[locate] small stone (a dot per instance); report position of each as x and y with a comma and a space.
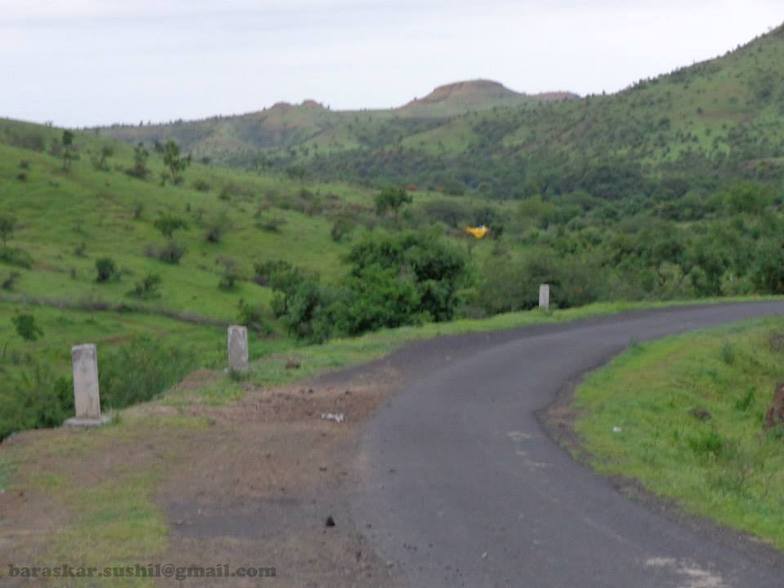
330, 522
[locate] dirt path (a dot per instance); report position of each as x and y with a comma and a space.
259, 489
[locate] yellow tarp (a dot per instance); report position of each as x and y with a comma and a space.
477, 232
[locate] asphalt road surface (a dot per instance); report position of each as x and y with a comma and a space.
465, 488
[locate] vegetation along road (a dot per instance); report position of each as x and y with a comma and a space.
465, 487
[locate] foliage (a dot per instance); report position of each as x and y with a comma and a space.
171, 252
106, 269
141, 370
33, 398
437, 268
175, 163
147, 288
140, 157
26, 327
391, 200
167, 224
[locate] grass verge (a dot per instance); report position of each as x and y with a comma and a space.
684, 416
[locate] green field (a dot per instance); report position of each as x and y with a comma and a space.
684, 416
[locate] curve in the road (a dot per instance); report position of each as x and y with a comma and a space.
464, 487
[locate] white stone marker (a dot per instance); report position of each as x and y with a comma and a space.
238, 348
544, 297
87, 398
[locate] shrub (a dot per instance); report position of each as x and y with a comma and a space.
394, 280
391, 200
10, 281
167, 224
230, 274
275, 273
32, 399
26, 327
16, 257
438, 268
106, 269
147, 288
378, 298
216, 229
140, 157
141, 370
253, 317
172, 252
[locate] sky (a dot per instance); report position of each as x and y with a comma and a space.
97, 62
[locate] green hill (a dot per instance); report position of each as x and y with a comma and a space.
688, 130
311, 129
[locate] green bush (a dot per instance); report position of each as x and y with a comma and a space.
147, 288
16, 257
32, 399
26, 327
395, 280
436, 267
141, 370
106, 269
172, 252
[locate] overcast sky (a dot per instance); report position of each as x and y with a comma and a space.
88, 62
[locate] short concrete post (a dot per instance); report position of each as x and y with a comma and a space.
544, 297
238, 348
87, 398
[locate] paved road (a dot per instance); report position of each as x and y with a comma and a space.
465, 488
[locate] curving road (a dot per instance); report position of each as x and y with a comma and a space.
465, 488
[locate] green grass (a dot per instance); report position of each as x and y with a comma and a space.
684, 416
110, 515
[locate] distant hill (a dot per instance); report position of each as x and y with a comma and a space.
474, 96
689, 130
239, 139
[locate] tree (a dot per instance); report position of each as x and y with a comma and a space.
102, 163
69, 152
174, 161
140, 156
392, 199
7, 227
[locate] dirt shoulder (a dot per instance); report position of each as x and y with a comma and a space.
262, 482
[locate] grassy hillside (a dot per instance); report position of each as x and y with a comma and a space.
693, 430
66, 221
690, 130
